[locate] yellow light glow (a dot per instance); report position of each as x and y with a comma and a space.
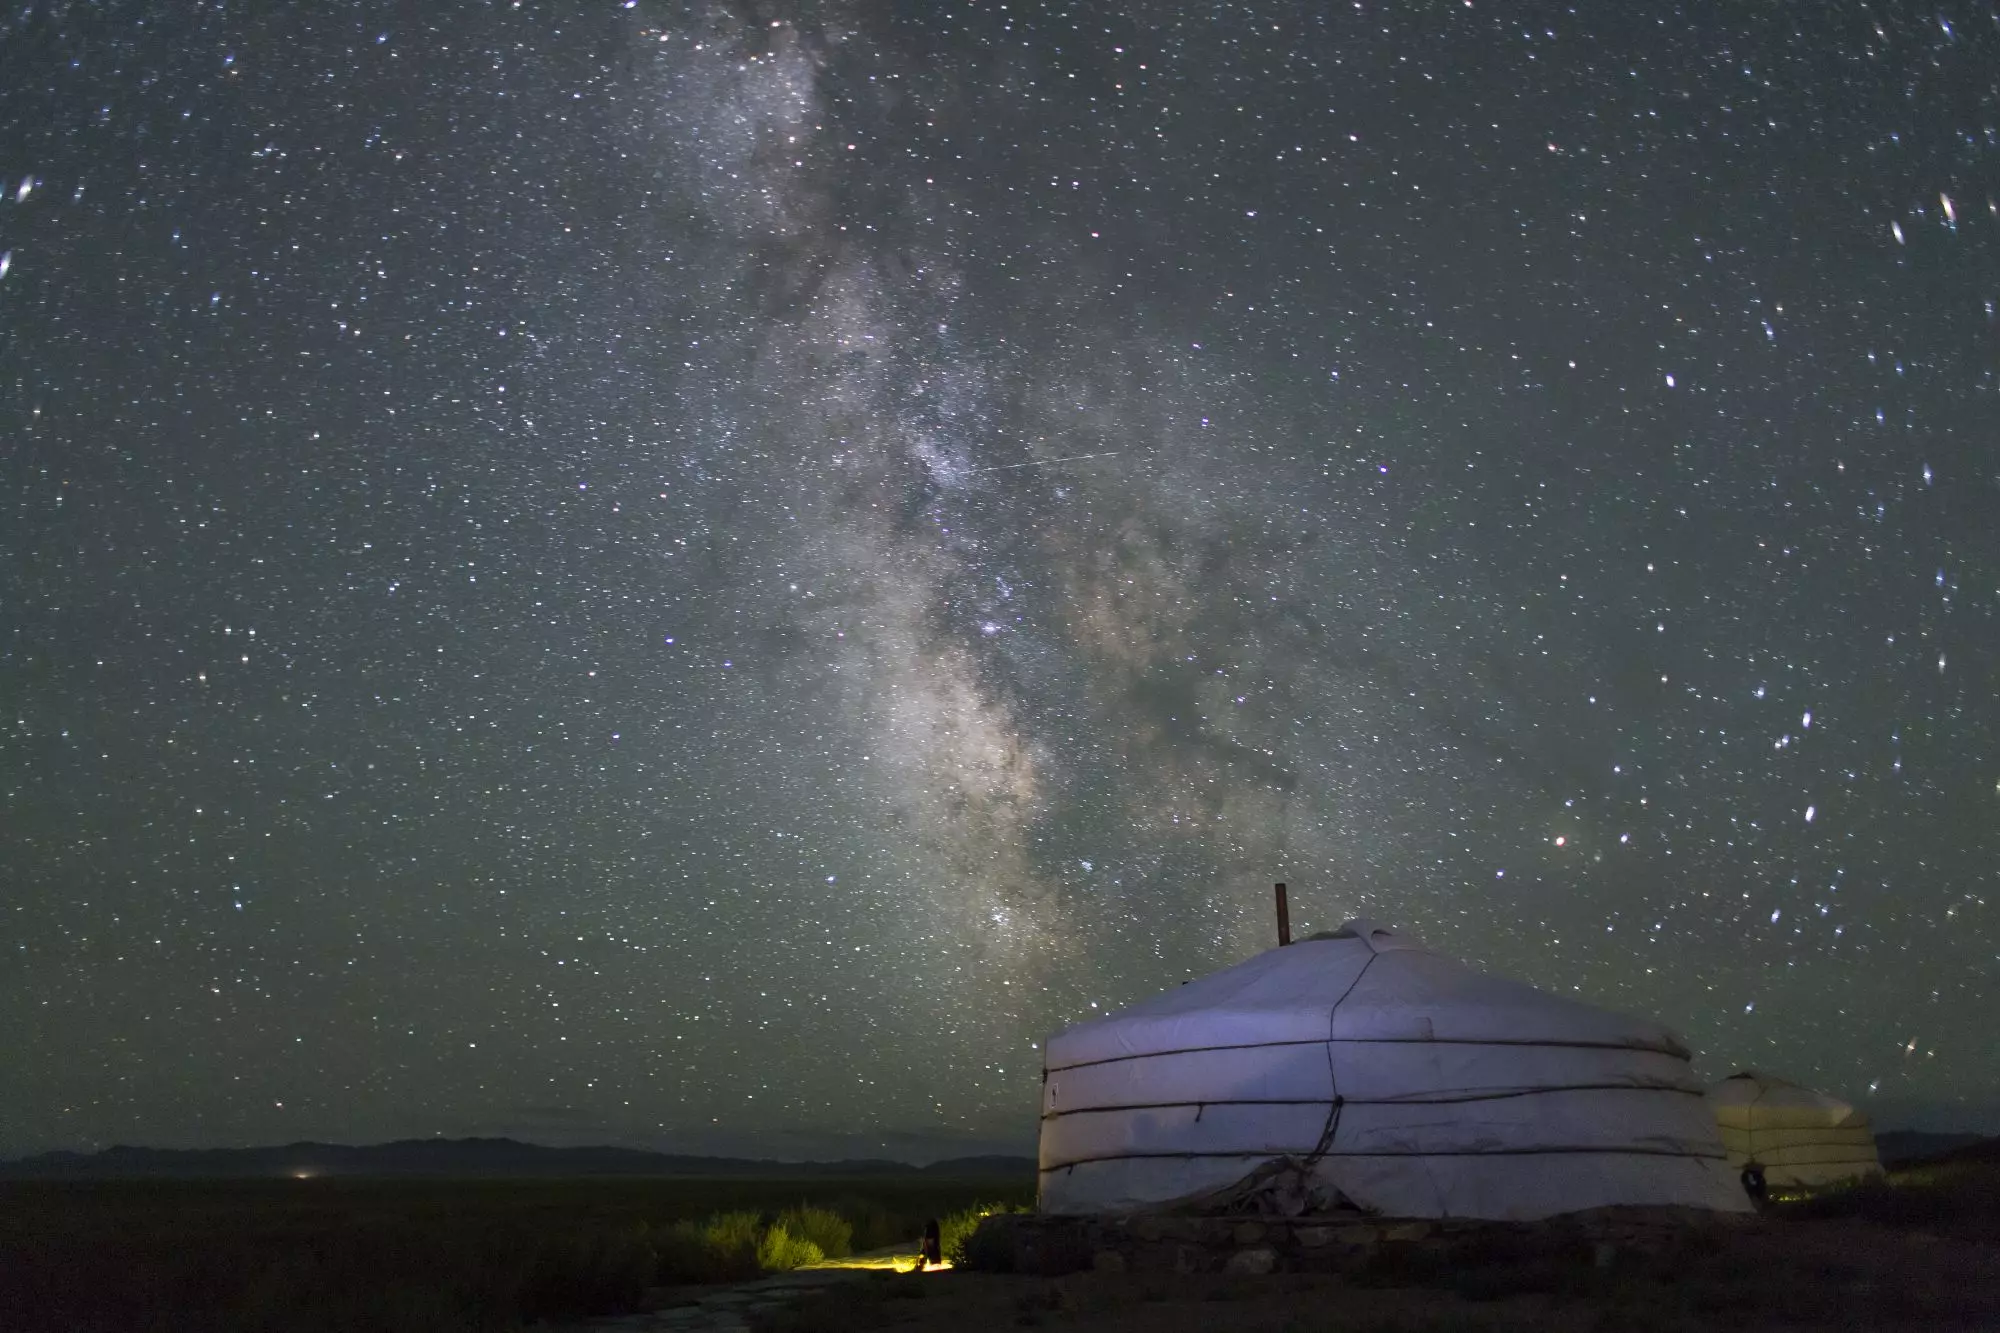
884, 1263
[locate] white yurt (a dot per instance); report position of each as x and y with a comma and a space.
1386, 1076
1800, 1137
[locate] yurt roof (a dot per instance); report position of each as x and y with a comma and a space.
1749, 1089
1364, 983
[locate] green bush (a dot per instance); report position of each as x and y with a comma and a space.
683, 1254
955, 1230
732, 1239
733, 1232
738, 1245
832, 1233
780, 1251
722, 1249
734, 1246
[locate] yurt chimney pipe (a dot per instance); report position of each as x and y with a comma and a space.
1284, 918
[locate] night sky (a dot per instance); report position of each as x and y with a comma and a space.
706, 576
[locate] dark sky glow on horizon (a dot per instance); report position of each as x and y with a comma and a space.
707, 575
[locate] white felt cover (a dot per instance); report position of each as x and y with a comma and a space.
1414, 1085
1799, 1137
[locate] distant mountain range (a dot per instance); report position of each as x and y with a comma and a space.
510, 1157
461, 1158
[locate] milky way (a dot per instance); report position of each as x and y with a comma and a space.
709, 575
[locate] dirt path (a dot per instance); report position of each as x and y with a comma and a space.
739, 1307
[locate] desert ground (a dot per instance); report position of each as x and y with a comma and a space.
1920, 1250
1780, 1274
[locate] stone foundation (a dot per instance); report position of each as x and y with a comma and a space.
1341, 1243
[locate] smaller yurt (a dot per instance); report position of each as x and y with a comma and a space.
1800, 1137
1371, 1073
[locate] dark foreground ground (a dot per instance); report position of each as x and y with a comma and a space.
338, 1255
1921, 1251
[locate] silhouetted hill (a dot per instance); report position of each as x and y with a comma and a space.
989, 1165
459, 1157
1978, 1150
1899, 1147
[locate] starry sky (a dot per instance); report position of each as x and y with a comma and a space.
705, 575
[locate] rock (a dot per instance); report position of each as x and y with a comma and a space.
1312, 1238
1252, 1263
1604, 1254
1407, 1231
1108, 1261
1148, 1228
1357, 1235
1248, 1233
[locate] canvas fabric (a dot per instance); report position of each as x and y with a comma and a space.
1800, 1137
1409, 1083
